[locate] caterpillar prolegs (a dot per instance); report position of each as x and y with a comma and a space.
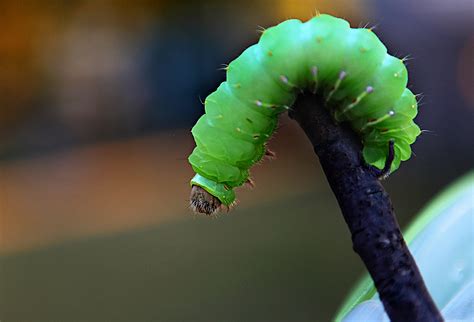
349, 67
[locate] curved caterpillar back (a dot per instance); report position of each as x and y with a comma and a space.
360, 82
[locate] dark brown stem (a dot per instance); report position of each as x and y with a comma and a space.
369, 214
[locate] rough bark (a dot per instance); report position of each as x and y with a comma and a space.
368, 212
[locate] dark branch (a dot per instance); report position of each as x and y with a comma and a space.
368, 212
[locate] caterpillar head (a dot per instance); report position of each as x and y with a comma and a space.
209, 197
202, 202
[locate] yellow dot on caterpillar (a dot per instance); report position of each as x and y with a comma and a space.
363, 50
270, 53
220, 116
238, 130
396, 75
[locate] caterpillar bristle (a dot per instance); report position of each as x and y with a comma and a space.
269, 154
225, 67
338, 114
314, 74
261, 29
373, 27
202, 202
419, 97
284, 79
228, 208
341, 77
377, 121
428, 132
250, 183
406, 59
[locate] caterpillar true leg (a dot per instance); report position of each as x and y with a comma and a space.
385, 172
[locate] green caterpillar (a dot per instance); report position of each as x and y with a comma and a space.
349, 67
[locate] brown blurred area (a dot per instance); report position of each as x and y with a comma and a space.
18, 44
96, 102
128, 184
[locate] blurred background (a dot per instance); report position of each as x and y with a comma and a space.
97, 99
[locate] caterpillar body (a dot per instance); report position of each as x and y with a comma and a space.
349, 67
